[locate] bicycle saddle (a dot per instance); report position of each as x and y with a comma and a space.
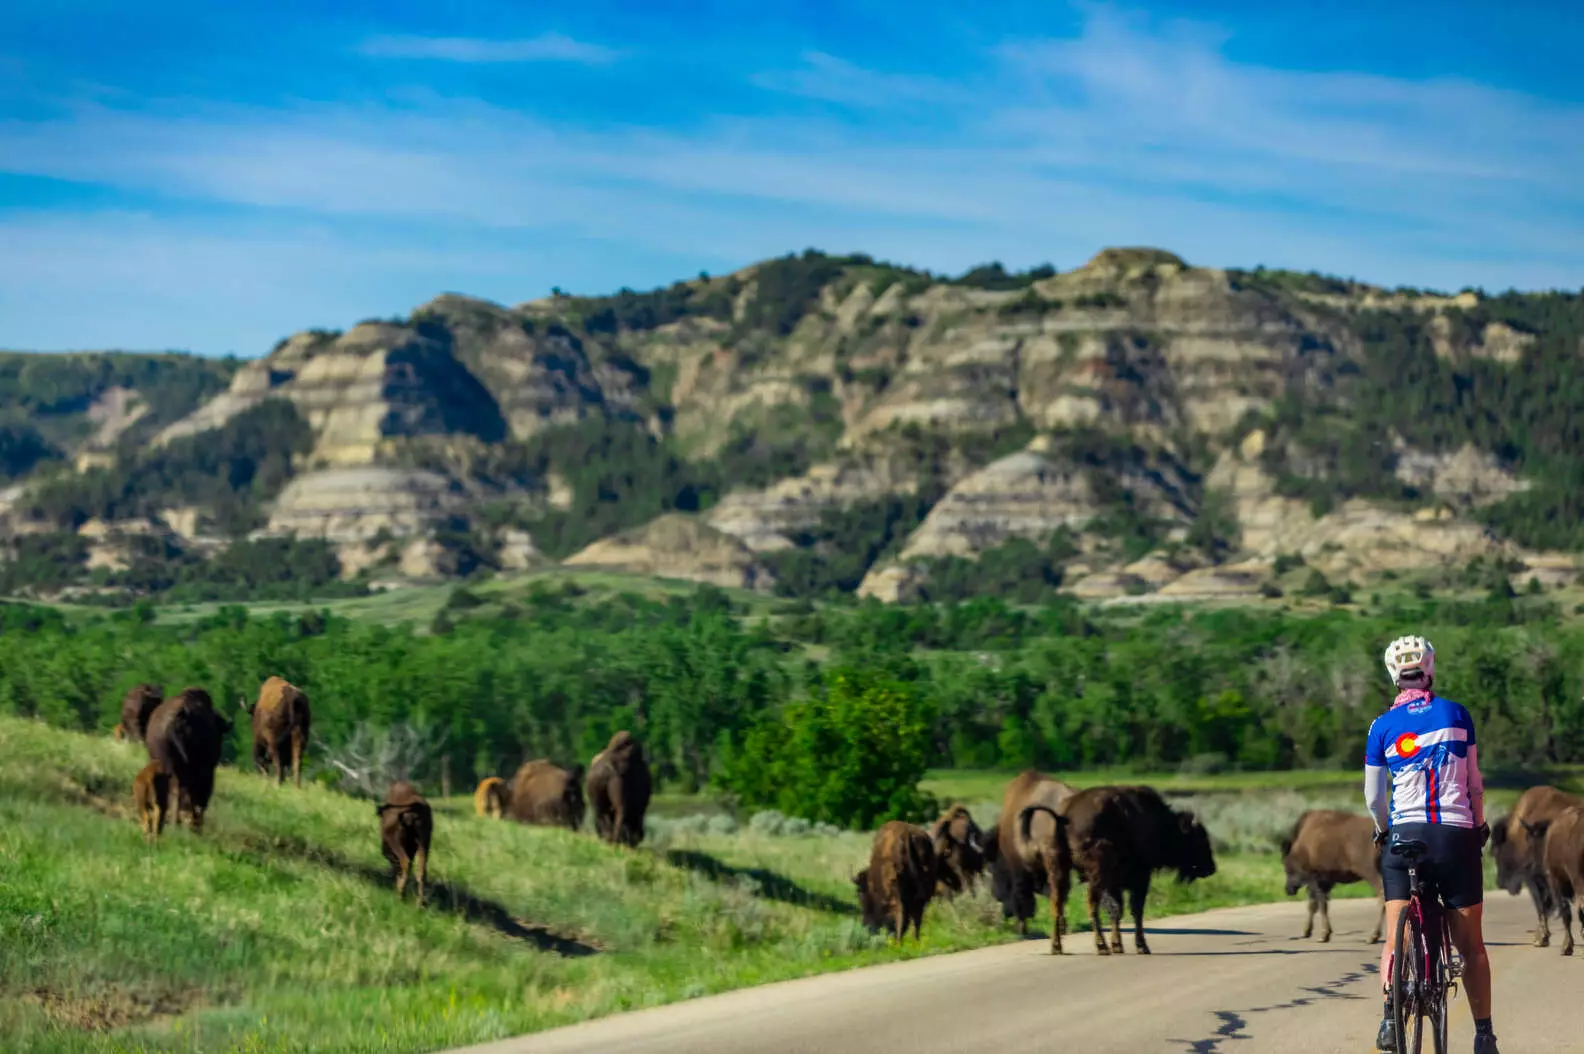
1409, 848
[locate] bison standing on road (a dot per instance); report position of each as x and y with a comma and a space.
1120, 836
184, 735
965, 856
1022, 859
406, 826
1518, 861
490, 798
618, 788
1328, 848
901, 877
281, 720
150, 794
545, 793
1560, 842
137, 706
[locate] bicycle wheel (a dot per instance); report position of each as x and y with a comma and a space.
1408, 984
1437, 992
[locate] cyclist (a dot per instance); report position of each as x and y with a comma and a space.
1421, 759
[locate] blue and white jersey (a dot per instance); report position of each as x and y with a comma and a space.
1427, 745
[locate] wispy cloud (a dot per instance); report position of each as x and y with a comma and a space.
546, 47
1126, 133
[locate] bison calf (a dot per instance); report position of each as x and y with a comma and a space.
490, 798
1329, 848
1560, 851
150, 792
406, 825
900, 879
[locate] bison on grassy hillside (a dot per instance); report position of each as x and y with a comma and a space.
406, 827
490, 797
966, 845
1329, 848
902, 876
1021, 861
150, 796
543, 792
281, 719
1119, 837
1518, 861
137, 706
1558, 847
618, 788
184, 735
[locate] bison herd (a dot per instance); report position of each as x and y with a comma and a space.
184, 735
1113, 839
542, 792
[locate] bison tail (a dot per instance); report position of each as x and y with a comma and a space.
1026, 820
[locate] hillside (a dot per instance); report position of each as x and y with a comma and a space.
1134, 427
277, 929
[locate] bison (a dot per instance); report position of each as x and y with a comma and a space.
150, 794
406, 826
137, 706
1120, 836
1518, 861
1328, 848
1560, 854
1021, 861
618, 788
490, 798
184, 735
545, 793
118, 733
965, 857
901, 877
281, 720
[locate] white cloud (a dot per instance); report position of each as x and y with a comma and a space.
1126, 134
547, 47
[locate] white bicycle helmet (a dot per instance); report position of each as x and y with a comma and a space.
1407, 654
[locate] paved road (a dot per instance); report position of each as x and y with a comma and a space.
1223, 982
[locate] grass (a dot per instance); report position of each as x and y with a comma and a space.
277, 929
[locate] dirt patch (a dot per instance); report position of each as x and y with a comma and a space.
100, 793
109, 1009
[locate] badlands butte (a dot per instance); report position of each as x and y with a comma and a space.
1136, 427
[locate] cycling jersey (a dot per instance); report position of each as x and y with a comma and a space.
1421, 757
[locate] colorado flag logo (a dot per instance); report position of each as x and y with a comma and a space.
1407, 745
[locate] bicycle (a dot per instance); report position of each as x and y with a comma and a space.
1423, 971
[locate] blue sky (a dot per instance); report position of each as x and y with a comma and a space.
212, 177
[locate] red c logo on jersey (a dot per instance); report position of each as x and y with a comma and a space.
1407, 745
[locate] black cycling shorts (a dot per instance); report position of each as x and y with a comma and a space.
1451, 862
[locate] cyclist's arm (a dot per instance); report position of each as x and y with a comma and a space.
1377, 782
1476, 786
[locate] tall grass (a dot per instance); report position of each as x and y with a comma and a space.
278, 929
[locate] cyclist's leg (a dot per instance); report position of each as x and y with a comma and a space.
1467, 929
1393, 909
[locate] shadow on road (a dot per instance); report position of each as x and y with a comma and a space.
1234, 1023
1171, 931
770, 884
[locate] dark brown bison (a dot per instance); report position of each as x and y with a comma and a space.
901, 877
406, 826
490, 798
966, 846
1518, 861
137, 706
1559, 850
545, 793
184, 735
1119, 837
1020, 863
1329, 848
150, 795
618, 788
281, 720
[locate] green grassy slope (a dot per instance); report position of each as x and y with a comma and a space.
277, 930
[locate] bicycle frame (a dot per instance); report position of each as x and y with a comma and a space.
1432, 967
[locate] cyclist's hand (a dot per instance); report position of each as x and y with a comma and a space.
1380, 837
1484, 834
